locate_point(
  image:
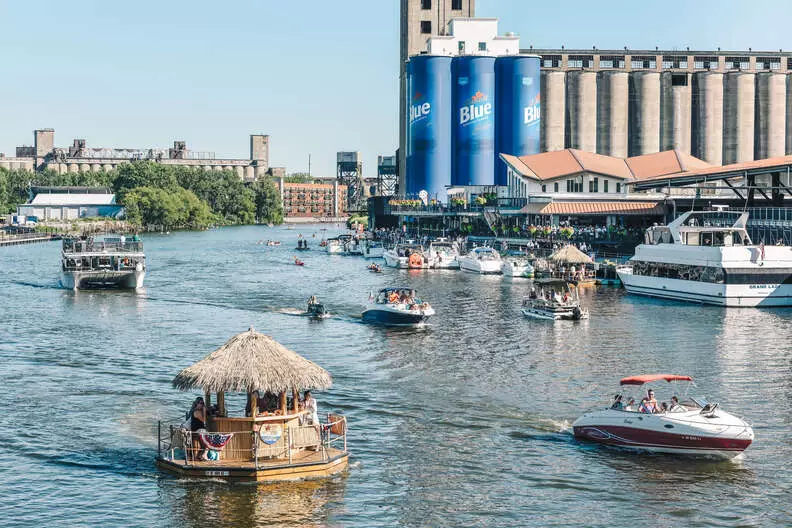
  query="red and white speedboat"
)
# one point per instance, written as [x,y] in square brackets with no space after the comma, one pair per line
[690,426]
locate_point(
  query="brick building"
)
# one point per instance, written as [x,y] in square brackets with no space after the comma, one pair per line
[313,200]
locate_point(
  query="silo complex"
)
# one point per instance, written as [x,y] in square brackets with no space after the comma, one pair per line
[612,113]
[708,117]
[788,115]
[473,120]
[675,102]
[739,89]
[553,110]
[581,115]
[429,125]
[517,113]
[644,126]
[771,112]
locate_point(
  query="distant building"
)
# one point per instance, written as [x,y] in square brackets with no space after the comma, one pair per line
[313,200]
[81,158]
[71,203]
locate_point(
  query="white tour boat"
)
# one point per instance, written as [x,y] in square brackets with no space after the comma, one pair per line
[707,257]
[405,256]
[443,254]
[682,425]
[397,307]
[554,299]
[517,267]
[103,262]
[483,260]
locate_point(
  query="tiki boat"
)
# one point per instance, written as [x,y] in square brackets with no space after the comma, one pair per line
[274,438]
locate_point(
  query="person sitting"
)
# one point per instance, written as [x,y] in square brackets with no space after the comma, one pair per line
[532,295]
[630,405]
[617,403]
[566,297]
[664,407]
[675,406]
[313,300]
[269,403]
[393,297]
[652,401]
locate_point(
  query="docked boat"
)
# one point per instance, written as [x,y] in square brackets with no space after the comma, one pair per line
[334,246]
[442,254]
[352,245]
[405,256]
[397,307]
[683,425]
[373,249]
[554,299]
[708,257]
[483,260]
[278,437]
[103,262]
[517,267]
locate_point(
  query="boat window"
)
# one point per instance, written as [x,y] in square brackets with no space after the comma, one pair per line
[718,238]
[693,239]
[681,271]
[706,239]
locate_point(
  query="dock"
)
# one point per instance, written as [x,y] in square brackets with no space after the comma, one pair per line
[27,238]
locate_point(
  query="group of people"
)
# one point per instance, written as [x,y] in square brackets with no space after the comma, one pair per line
[648,405]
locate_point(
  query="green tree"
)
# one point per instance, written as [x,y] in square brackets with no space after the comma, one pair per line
[143,174]
[174,208]
[269,208]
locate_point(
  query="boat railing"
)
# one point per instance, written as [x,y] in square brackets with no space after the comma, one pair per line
[91,246]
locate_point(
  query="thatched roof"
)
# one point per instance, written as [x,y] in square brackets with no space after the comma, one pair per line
[253,361]
[571,255]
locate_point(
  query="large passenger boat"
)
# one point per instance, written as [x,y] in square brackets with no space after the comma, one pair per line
[103,262]
[708,257]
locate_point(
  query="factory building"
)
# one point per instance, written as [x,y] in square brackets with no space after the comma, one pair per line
[313,200]
[720,106]
[81,158]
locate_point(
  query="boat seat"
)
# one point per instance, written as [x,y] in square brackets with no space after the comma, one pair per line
[305,436]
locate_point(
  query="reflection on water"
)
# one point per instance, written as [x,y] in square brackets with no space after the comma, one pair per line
[462,422]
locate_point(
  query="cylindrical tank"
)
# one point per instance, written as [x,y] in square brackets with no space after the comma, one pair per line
[789,115]
[739,94]
[428,126]
[612,112]
[582,110]
[517,115]
[553,109]
[473,114]
[771,111]
[644,126]
[708,117]
[675,104]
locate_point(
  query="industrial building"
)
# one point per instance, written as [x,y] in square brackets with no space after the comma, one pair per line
[70,203]
[81,158]
[720,106]
[313,200]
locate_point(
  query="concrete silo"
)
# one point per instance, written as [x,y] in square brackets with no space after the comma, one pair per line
[644,129]
[771,110]
[707,119]
[739,94]
[675,106]
[789,115]
[612,113]
[581,115]
[553,110]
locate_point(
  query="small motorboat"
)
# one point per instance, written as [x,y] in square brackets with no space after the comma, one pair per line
[554,299]
[298,262]
[316,309]
[483,260]
[374,268]
[682,425]
[443,254]
[397,307]
[517,267]
[302,245]
[406,256]
[273,243]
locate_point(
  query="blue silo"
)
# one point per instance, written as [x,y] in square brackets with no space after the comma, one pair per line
[473,114]
[517,114]
[428,126]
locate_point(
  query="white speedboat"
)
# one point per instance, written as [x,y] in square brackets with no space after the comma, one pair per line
[707,257]
[483,260]
[517,267]
[334,246]
[554,299]
[683,425]
[405,256]
[442,254]
[397,307]
[103,262]
[373,249]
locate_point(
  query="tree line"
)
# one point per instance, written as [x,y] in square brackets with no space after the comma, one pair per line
[165,195]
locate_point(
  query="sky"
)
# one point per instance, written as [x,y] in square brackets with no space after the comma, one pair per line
[318,76]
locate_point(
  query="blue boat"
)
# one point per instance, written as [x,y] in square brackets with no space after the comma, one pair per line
[397,307]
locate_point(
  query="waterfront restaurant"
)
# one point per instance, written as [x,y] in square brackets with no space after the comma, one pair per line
[272,436]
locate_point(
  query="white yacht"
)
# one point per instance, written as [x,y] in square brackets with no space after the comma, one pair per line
[517,268]
[707,257]
[334,246]
[483,260]
[405,256]
[443,254]
[103,262]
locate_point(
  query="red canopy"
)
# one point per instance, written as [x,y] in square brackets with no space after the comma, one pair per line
[646,378]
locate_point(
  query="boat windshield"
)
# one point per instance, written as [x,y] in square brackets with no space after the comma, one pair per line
[639,400]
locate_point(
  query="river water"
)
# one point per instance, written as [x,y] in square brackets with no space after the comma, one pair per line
[463,423]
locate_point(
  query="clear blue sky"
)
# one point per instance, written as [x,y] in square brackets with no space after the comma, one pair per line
[317,75]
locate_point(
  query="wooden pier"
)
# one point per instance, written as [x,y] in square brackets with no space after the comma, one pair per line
[27,238]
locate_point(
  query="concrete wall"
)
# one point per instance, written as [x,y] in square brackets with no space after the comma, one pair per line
[739,89]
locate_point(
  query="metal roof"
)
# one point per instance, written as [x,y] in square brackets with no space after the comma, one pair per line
[73,199]
[594,208]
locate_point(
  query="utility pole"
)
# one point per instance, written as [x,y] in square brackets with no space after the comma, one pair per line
[309,165]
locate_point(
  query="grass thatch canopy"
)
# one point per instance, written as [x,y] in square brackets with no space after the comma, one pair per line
[570,255]
[253,361]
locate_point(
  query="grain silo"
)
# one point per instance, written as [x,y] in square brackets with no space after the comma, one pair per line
[553,108]
[644,126]
[771,112]
[707,122]
[581,112]
[612,113]
[739,89]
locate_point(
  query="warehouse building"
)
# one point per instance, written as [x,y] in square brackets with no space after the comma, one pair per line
[71,203]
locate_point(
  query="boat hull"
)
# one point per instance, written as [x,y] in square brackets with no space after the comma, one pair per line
[518,272]
[394,317]
[100,280]
[729,295]
[393,261]
[373,253]
[486,268]
[565,315]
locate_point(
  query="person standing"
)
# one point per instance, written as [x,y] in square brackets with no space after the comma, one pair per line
[310,405]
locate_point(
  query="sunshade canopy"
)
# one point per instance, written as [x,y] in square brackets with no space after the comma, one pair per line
[571,255]
[647,378]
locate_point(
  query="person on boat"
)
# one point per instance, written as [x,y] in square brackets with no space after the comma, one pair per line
[198,425]
[617,403]
[675,407]
[565,299]
[313,300]
[532,295]
[652,401]
[393,298]
[310,405]
[252,402]
[269,403]
[630,405]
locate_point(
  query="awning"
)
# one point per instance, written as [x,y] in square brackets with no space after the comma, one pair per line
[648,378]
[594,208]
